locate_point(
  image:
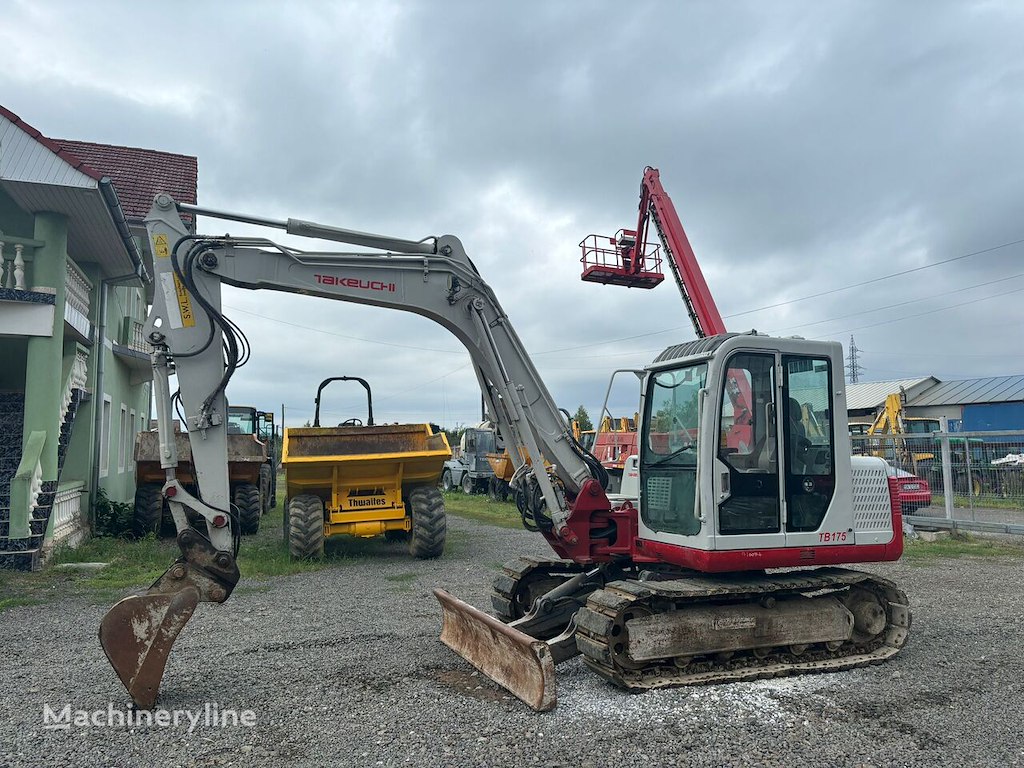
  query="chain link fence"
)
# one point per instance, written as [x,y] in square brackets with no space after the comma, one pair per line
[958,480]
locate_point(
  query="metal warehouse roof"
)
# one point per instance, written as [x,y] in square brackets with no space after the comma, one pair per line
[997,389]
[873,393]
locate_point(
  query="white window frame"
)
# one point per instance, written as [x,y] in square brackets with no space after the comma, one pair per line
[122,439]
[104,457]
[129,449]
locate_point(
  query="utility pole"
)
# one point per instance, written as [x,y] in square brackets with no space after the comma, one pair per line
[853,367]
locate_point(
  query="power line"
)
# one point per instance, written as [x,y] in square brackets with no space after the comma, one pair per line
[342,335]
[802,298]
[930,311]
[779,331]
[684,327]
[877,279]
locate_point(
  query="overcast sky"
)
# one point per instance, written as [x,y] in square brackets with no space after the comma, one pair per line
[808,147]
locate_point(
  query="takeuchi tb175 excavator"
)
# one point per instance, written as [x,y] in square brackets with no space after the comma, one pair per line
[668,583]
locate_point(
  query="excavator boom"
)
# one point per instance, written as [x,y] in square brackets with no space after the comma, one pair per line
[432,277]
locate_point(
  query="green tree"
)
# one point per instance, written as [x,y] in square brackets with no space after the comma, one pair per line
[672,417]
[582,418]
[454,434]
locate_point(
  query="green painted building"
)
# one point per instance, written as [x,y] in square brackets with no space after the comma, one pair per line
[74,287]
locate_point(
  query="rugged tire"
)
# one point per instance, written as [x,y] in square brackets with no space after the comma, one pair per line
[149,509]
[305,527]
[446,481]
[497,489]
[426,506]
[249,500]
[267,488]
[467,484]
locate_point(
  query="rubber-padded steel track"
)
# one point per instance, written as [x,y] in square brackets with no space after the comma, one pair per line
[523,580]
[603,627]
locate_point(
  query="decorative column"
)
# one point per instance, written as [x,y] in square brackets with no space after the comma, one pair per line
[19,267]
[43,379]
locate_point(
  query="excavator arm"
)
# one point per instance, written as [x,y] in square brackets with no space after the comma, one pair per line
[191,337]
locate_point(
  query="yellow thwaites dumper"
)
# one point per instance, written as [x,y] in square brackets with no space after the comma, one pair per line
[364,480]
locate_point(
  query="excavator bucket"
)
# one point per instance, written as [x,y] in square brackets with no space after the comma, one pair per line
[137,635]
[516,661]
[138,632]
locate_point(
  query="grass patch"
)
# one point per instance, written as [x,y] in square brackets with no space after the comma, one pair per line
[130,563]
[480,508]
[958,546]
[14,602]
[265,555]
[134,564]
[984,500]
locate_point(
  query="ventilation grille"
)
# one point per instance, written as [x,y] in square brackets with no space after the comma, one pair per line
[872,508]
[659,492]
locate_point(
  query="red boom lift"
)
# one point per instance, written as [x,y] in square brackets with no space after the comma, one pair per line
[628,259]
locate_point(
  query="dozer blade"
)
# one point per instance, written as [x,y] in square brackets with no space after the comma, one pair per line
[520,663]
[137,635]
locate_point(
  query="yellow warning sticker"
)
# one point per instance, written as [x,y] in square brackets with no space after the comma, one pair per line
[161,246]
[188,320]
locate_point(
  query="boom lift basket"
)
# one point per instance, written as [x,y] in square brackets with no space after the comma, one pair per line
[609,261]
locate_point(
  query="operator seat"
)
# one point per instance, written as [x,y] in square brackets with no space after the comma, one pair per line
[797,439]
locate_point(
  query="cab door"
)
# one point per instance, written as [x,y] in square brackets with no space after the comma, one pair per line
[809,472]
[747,475]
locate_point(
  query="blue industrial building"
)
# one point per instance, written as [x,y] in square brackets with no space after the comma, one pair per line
[994,403]
[971,405]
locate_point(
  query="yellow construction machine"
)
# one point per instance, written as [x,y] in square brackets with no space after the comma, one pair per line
[363,480]
[905,452]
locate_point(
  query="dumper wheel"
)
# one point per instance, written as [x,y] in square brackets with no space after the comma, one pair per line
[249,500]
[468,486]
[149,509]
[492,489]
[267,488]
[306,527]
[426,505]
[446,481]
[503,490]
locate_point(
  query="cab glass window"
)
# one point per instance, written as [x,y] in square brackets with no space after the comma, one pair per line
[668,455]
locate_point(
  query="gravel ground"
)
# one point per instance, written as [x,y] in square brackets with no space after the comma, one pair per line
[343,667]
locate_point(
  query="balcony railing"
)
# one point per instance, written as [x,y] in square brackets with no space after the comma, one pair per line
[76,302]
[68,522]
[131,336]
[12,267]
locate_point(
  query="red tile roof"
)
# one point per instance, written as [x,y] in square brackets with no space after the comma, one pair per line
[138,174]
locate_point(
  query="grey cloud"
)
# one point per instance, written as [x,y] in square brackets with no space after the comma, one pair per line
[806,146]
